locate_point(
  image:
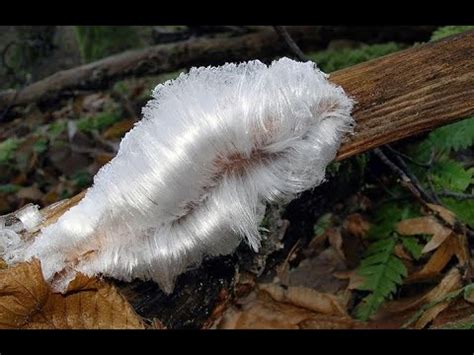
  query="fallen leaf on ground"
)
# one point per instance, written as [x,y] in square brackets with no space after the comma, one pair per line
[452,246]
[305,297]
[26,301]
[355,280]
[425,225]
[438,299]
[335,240]
[443,212]
[118,129]
[260,311]
[317,272]
[356,225]
[420,310]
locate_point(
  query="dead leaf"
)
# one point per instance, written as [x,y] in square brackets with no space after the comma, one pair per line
[335,240]
[260,311]
[356,225]
[441,257]
[411,309]
[355,280]
[26,301]
[447,215]
[119,129]
[305,297]
[425,225]
[30,193]
[451,282]
[401,252]
[317,272]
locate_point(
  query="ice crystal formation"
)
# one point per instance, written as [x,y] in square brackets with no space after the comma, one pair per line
[193,177]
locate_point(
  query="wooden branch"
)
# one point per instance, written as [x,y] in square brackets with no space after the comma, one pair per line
[264,44]
[409,92]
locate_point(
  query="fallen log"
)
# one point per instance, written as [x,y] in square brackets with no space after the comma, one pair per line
[264,44]
[397,96]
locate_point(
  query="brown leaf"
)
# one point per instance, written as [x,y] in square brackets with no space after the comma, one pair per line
[305,297]
[119,129]
[317,272]
[406,308]
[356,225]
[443,212]
[30,193]
[26,301]
[401,252]
[425,225]
[452,246]
[335,240]
[355,280]
[451,282]
[260,311]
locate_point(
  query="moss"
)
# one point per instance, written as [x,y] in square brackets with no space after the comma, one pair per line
[334,59]
[447,31]
[96,42]
[7,149]
[98,122]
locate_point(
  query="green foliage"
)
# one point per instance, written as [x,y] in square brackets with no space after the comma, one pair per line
[98,122]
[7,149]
[446,171]
[387,215]
[9,188]
[56,128]
[96,42]
[453,137]
[322,224]
[82,179]
[41,145]
[334,59]
[382,272]
[464,210]
[413,247]
[446,31]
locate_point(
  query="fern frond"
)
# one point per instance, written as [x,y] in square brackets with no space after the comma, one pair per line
[455,136]
[448,174]
[383,272]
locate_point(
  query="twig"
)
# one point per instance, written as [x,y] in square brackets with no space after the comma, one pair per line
[418,192]
[456,195]
[283,33]
[410,159]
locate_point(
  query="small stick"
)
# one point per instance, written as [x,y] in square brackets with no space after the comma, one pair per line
[283,33]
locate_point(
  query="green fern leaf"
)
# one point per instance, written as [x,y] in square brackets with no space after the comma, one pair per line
[383,272]
[448,174]
[455,136]
[413,247]
[464,210]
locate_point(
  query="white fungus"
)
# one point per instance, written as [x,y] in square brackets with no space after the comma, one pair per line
[192,178]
